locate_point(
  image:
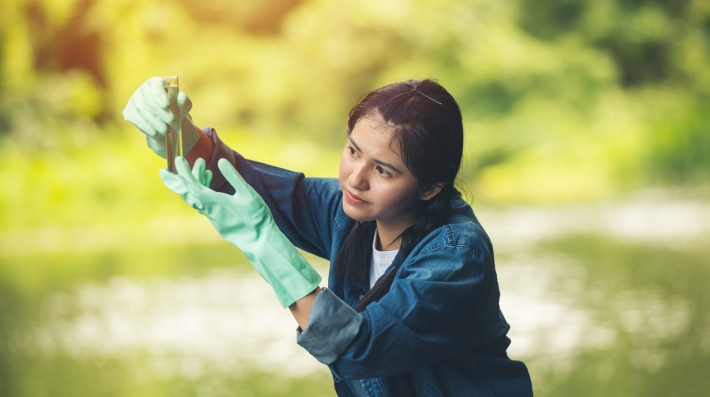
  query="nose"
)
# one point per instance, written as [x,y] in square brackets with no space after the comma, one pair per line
[358,178]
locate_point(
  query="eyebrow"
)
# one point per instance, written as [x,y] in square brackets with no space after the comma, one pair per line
[388,165]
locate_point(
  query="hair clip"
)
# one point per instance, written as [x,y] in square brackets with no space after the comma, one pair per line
[427,96]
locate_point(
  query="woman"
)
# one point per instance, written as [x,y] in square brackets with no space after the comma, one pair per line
[411,307]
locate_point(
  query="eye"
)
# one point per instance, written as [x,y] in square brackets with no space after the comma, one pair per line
[352,151]
[382,171]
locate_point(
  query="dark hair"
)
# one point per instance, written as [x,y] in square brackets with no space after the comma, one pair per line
[427,125]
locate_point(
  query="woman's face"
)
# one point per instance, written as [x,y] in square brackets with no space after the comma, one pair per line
[375,182]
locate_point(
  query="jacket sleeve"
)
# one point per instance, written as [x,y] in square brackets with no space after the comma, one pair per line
[444,303]
[303,208]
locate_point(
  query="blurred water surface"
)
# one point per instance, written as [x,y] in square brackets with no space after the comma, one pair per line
[111,286]
[609,299]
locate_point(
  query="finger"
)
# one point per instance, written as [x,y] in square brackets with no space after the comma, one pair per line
[192,184]
[208,178]
[130,114]
[183,169]
[178,184]
[156,87]
[154,99]
[199,169]
[155,124]
[184,103]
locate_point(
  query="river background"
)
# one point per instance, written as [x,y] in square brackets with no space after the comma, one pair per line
[586,158]
[606,299]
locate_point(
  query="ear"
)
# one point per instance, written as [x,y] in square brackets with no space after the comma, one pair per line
[430,191]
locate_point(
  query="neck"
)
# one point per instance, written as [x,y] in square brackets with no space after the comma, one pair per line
[389,229]
[386,235]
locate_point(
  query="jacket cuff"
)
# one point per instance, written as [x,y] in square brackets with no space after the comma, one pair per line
[203,148]
[332,326]
[220,150]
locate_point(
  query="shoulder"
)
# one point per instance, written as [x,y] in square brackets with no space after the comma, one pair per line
[462,232]
[327,188]
[458,251]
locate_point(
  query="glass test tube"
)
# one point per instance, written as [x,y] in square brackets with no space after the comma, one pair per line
[173,138]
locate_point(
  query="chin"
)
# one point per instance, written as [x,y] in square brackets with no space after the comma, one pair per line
[354,214]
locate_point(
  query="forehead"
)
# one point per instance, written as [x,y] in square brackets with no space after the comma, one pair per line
[374,138]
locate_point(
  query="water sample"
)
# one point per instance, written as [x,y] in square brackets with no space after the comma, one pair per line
[173,138]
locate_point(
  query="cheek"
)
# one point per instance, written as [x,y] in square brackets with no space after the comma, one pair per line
[393,198]
[342,172]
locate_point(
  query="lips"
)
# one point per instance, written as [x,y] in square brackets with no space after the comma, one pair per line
[353,198]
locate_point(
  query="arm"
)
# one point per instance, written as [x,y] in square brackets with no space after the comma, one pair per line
[203,149]
[244,220]
[303,208]
[444,303]
[301,310]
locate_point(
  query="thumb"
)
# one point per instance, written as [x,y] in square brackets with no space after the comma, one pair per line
[241,187]
[184,103]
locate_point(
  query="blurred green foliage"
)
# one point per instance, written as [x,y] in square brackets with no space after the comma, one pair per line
[563,100]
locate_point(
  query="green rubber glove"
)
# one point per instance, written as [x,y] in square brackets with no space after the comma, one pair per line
[244,220]
[148,110]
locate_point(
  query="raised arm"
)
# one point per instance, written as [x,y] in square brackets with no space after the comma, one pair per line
[303,208]
[244,220]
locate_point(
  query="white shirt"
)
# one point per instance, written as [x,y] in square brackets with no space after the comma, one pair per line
[381,260]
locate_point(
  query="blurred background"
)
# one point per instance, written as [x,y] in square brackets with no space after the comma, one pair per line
[587,160]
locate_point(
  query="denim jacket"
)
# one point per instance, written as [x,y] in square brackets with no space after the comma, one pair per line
[439,330]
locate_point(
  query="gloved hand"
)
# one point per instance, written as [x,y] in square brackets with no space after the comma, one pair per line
[244,220]
[148,110]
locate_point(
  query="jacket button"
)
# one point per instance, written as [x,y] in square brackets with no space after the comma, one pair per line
[361,296]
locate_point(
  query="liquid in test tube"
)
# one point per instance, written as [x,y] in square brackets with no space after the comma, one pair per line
[173,138]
